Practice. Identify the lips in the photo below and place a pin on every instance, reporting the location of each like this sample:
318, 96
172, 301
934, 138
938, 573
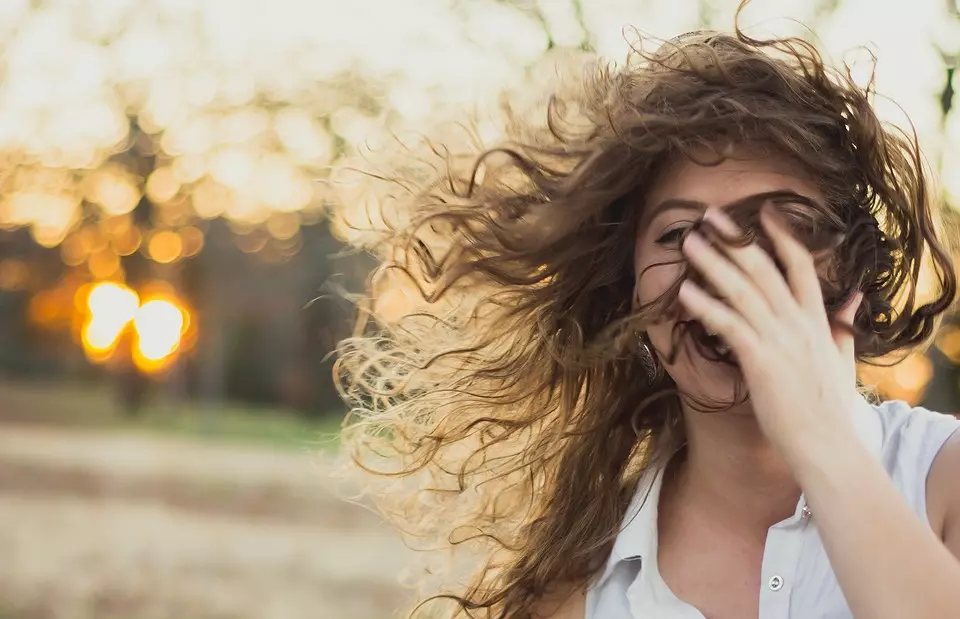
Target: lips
713, 346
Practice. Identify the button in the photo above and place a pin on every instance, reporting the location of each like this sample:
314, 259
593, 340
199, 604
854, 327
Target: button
805, 512
776, 583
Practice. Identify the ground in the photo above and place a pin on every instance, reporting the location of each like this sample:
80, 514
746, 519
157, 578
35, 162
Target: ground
104, 522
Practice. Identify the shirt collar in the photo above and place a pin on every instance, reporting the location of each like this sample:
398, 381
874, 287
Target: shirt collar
638, 531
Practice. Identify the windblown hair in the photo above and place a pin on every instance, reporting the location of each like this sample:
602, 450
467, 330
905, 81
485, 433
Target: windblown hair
506, 406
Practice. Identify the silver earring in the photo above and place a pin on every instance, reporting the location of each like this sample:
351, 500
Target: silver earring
649, 360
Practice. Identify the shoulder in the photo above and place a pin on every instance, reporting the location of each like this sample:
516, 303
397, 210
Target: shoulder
921, 451
921, 448
912, 435
899, 416
943, 493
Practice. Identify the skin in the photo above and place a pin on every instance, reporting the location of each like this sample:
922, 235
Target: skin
733, 485
745, 469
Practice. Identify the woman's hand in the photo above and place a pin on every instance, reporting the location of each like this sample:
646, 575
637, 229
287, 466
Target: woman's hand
800, 373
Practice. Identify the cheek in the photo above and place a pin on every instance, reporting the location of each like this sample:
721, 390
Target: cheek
653, 284
656, 281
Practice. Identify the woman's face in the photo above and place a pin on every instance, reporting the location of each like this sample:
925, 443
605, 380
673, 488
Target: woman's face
676, 201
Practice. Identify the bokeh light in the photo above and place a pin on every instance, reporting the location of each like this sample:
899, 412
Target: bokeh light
110, 308
179, 112
159, 325
165, 246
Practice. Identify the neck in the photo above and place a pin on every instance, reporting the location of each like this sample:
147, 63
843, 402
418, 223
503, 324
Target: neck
733, 473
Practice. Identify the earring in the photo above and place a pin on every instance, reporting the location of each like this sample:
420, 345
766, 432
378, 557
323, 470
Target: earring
649, 360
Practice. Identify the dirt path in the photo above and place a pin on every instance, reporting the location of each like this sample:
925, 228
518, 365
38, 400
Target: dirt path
120, 526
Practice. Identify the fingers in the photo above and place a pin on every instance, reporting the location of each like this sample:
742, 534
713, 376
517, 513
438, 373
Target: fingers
755, 262
842, 337
801, 271
730, 282
719, 318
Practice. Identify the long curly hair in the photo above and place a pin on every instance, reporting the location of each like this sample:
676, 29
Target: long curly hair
499, 401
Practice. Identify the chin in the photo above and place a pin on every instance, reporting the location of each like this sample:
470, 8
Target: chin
707, 381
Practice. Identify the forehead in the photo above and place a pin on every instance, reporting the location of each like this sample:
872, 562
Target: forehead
730, 181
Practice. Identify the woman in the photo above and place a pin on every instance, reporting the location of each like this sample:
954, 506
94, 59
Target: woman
627, 379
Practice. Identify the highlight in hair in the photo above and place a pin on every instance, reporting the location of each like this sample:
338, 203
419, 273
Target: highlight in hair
499, 404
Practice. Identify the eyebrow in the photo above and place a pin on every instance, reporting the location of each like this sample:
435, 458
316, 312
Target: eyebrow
778, 195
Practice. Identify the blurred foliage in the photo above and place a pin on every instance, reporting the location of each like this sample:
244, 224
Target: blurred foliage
127, 127
216, 108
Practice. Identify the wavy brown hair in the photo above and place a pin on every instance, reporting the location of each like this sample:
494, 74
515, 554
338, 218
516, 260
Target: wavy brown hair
503, 403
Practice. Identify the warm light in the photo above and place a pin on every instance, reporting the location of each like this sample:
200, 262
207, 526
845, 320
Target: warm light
162, 185
127, 242
906, 380
116, 225
92, 239
73, 251
189, 168
166, 246
949, 343
160, 326
112, 301
233, 167
104, 264
48, 236
115, 191
110, 307
303, 137
100, 336
913, 373
252, 243
210, 199
283, 226
192, 241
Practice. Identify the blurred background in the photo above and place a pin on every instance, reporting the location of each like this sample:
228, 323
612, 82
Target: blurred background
171, 241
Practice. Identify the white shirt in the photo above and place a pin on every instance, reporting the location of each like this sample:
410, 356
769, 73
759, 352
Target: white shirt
797, 581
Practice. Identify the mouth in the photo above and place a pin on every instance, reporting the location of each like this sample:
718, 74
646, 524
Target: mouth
719, 345
711, 345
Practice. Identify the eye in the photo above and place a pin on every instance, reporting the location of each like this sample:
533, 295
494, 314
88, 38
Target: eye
673, 236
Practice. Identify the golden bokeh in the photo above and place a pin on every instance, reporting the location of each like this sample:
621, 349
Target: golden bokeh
906, 380
73, 251
245, 130
193, 241
115, 190
104, 264
109, 309
159, 324
162, 185
252, 243
210, 199
92, 238
283, 226
116, 225
127, 241
165, 246
948, 341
